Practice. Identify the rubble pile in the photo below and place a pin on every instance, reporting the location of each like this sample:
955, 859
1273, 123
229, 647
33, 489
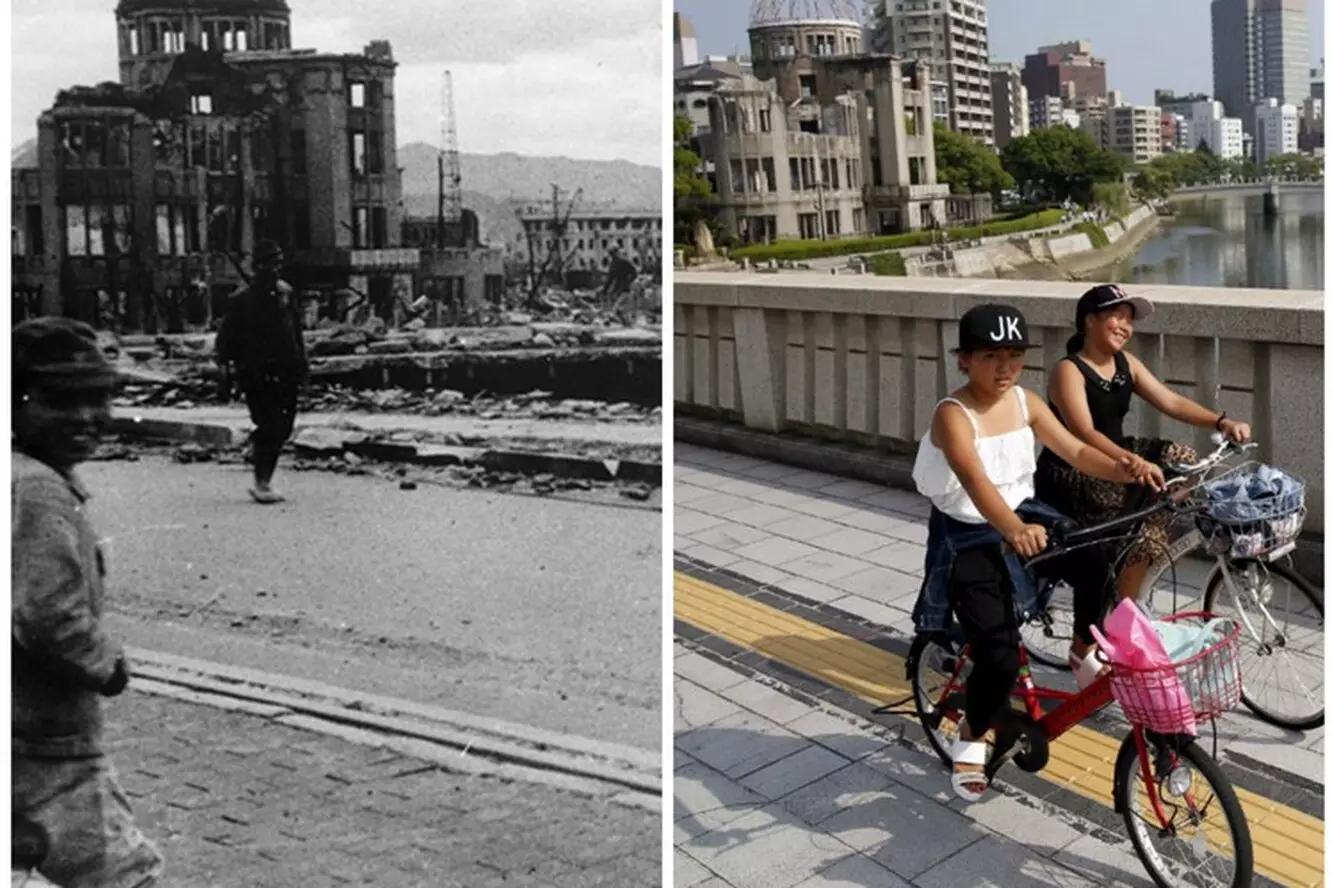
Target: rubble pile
194, 388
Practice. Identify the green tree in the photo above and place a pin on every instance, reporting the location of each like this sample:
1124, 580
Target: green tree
694, 200
1241, 168
1113, 196
1154, 182
966, 165
1293, 166
1058, 163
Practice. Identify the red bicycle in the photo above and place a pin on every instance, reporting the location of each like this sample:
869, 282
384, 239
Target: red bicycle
1166, 786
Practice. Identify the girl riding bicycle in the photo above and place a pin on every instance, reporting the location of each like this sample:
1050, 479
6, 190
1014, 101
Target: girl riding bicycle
977, 467
1090, 392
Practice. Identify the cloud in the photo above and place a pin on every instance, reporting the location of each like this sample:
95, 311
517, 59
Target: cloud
529, 76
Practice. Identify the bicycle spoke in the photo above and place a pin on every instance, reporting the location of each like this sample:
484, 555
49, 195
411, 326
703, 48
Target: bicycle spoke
1281, 659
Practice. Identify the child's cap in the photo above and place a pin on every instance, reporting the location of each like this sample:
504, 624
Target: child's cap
992, 326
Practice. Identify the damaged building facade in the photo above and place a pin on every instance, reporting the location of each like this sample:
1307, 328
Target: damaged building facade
576, 246
458, 273
823, 140
146, 194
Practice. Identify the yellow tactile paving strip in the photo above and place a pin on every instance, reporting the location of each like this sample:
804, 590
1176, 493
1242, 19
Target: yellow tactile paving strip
1287, 844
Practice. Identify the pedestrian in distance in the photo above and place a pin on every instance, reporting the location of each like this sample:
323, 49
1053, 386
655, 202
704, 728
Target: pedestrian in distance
976, 466
261, 349
64, 661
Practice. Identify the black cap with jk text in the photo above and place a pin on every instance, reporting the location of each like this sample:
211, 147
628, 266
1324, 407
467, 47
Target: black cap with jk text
992, 326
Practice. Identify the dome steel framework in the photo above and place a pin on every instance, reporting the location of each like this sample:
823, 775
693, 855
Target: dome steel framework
782, 12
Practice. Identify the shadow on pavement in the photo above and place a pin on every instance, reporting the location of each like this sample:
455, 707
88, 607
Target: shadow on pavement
753, 800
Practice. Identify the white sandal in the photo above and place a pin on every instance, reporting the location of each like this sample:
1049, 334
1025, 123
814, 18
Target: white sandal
1086, 669
970, 752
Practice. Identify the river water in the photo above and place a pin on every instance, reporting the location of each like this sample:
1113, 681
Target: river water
1228, 242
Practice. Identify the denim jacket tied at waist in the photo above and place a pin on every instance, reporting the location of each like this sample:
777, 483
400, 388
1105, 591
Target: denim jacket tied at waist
947, 538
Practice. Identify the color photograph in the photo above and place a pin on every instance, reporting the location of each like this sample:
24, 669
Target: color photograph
998, 443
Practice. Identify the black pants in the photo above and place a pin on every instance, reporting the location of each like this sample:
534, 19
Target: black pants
981, 595
271, 397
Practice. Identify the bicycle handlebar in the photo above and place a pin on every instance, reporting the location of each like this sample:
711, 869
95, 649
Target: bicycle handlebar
1061, 540
1224, 448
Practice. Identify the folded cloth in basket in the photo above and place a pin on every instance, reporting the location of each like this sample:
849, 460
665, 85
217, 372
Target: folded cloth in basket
1266, 492
1211, 682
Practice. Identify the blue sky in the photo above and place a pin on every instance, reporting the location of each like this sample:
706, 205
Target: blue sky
1146, 43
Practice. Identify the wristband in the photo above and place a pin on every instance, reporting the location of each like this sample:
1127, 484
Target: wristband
1220, 419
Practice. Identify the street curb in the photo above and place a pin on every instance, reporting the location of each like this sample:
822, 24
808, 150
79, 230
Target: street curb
505, 743
873, 466
172, 430
833, 458
523, 462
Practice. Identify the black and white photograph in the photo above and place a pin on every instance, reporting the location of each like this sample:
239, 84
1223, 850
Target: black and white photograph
336, 446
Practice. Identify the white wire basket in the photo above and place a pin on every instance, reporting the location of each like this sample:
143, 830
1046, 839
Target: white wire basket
1251, 511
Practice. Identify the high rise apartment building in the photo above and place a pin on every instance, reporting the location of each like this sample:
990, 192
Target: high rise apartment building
1064, 70
1012, 118
952, 36
1224, 136
1260, 51
1276, 130
1133, 131
1047, 111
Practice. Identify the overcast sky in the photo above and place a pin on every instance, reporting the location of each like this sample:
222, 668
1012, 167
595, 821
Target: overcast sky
1146, 43
580, 78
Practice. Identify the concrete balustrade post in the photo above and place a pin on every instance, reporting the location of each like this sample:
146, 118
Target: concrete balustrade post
906, 404
840, 379
873, 350
1290, 403
1151, 351
1207, 392
760, 356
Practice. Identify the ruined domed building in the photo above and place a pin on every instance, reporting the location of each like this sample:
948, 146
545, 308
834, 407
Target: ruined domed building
147, 194
821, 139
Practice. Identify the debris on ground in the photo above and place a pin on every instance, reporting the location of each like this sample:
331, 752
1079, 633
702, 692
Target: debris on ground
193, 390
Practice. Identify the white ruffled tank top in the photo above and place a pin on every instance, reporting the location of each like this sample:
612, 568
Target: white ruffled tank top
1009, 460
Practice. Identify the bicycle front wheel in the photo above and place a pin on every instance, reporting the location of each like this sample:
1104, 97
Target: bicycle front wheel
1200, 837
1281, 640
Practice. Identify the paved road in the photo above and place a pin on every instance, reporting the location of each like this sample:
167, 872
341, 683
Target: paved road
533, 611
238, 800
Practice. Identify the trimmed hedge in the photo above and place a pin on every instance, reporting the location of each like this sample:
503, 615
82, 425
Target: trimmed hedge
888, 264
819, 249
1095, 233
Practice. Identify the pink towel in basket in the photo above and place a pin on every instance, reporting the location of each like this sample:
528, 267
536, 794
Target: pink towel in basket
1157, 698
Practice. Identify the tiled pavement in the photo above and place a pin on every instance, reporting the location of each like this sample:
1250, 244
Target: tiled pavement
860, 547
233, 799
770, 792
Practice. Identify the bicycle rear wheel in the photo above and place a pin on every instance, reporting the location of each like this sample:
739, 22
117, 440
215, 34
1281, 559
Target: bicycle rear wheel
1048, 634
1204, 841
930, 665
1281, 656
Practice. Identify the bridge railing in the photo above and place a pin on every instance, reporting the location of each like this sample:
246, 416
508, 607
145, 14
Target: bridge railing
1249, 185
865, 359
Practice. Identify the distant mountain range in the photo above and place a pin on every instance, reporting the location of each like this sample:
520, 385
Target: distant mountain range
496, 185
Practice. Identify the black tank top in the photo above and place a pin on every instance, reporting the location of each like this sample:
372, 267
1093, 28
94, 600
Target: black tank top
1108, 400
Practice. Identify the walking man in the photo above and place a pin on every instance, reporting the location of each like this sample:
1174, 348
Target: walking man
64, 662
261, 342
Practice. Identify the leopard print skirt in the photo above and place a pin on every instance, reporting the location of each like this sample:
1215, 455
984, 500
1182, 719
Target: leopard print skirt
1089, 500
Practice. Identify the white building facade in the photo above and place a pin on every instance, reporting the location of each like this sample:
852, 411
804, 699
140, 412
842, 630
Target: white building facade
1276, 129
